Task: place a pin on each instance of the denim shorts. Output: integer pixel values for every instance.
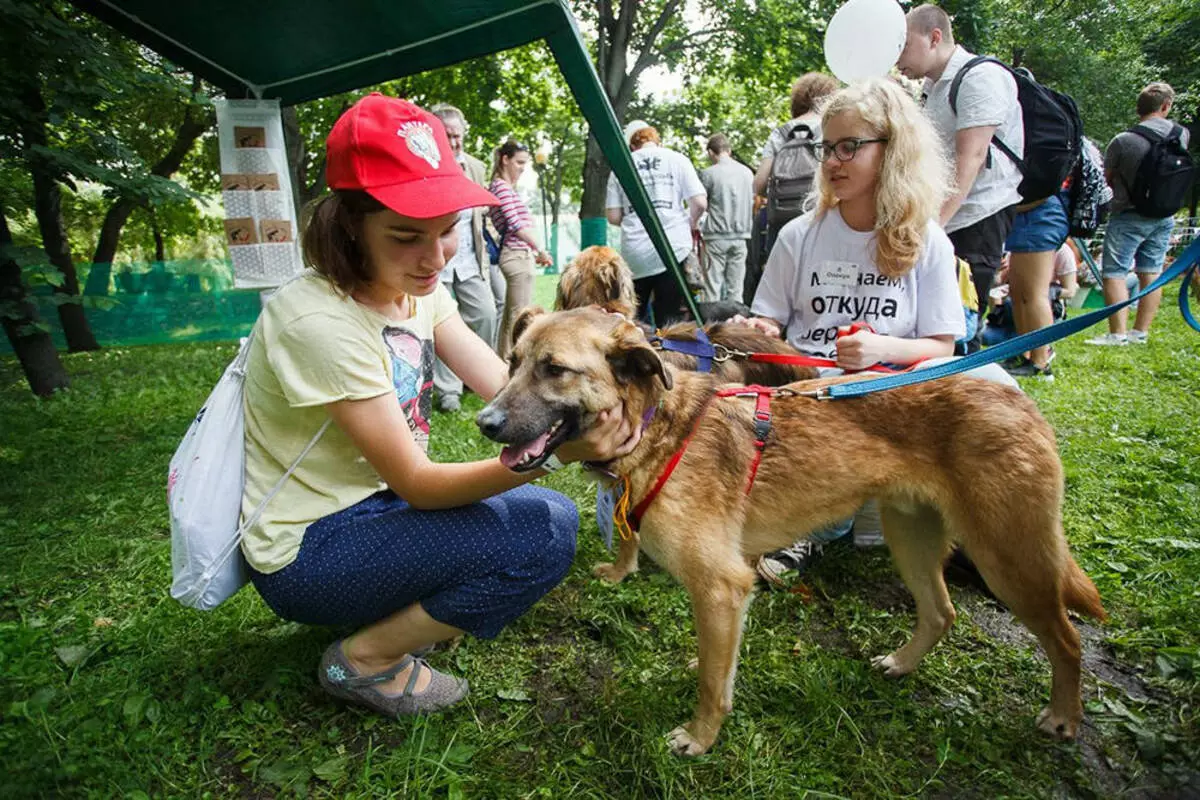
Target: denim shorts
(1041, 229)
(1132, 240)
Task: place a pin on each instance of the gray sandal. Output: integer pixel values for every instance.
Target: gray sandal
(337, 677)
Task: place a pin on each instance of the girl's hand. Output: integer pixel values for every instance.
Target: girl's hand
(611, 437)
(768, 326)
(543, 258)
(861, 350)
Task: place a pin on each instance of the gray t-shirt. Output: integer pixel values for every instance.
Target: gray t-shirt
(1124, 155)
(987, 96)
(730, 188)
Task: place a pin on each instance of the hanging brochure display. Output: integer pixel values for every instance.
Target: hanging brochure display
(260, 218)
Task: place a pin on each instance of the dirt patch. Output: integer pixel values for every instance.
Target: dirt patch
(567, 698)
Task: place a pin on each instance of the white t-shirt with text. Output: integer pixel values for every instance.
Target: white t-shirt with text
(669, 178)
(822, 274)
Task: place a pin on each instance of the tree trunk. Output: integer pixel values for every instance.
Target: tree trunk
(47, 203)
(193, 126)
(47, 206)
(160, 248)
(33, 346)
(615, 35)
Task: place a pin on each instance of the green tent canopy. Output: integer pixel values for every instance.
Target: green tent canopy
(300, 51)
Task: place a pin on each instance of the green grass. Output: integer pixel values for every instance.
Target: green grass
(109, 688)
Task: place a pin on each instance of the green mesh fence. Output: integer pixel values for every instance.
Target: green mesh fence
(188, 300)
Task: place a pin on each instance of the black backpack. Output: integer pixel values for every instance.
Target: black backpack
(792, 174)
(1052, 132)
(1164, 175)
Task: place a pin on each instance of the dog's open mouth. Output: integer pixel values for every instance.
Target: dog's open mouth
(531, 455)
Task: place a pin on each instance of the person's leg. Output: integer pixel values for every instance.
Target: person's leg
(1028, 278)
(1121, 242)
(477, 306)
(735, 271)
(499, 293)
(643, 288)
(410, 578)
(1149, 259)
(668, 298)
(446, 384)
(518, 266)
(713, 268)
(982, 245)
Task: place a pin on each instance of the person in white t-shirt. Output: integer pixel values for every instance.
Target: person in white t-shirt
(980, 210)
(671, 181)
(869, 251)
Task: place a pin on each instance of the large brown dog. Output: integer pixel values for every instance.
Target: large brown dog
(922, 450)
(599, 276)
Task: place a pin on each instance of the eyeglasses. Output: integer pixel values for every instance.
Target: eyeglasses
(843, 149)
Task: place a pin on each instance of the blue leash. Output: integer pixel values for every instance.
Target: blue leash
(1185, 265)
(702, 348)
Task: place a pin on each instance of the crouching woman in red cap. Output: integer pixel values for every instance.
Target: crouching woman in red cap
(367, 531)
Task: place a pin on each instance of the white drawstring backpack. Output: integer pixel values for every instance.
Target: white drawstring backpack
(204, 493)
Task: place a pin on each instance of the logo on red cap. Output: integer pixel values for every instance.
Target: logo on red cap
(419, 137)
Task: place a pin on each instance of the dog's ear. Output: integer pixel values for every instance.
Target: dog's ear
(524, 318)
(633, 358)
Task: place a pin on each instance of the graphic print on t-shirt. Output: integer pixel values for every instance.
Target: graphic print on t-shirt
(658, 180)
(842, 292)
(412, 375)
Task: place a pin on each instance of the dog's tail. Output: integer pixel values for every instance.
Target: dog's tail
(1079, 593)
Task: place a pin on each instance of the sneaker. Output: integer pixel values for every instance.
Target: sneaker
(1108, 340)
(449, 403)
(1028, 369)
(1137, 337)
(796, 558)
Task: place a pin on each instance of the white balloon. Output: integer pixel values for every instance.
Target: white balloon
(864, 39)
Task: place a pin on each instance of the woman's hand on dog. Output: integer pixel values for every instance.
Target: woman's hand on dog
(611, 437)
(768, 326)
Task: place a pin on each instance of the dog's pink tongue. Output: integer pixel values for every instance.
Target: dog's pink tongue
(512, 455)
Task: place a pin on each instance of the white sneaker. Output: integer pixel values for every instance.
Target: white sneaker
(1137, 337)
(1109, 340)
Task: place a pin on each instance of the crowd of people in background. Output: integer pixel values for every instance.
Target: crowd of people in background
(723, 223)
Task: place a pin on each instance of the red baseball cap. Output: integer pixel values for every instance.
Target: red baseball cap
(397, 152)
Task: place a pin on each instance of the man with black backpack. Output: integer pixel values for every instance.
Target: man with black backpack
(1150, 171)
(979, 215)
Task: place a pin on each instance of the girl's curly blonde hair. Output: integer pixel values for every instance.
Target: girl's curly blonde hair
(914, 176)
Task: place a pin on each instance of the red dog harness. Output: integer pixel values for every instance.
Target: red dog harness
(762, 430)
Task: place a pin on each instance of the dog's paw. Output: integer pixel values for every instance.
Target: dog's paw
(682, 743)
(890, 667)
(609, 572)
(1056, 725)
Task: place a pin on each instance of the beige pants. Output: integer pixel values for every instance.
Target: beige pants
(517, 266)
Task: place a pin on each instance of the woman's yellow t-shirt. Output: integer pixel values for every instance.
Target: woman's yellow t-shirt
(313, 346)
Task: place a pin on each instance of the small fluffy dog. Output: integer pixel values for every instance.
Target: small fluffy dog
(599, 276)
(924, 451)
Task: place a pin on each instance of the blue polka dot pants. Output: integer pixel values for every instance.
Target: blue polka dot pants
(477, 567)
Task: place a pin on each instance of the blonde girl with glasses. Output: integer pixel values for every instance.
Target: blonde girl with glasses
(869, 251)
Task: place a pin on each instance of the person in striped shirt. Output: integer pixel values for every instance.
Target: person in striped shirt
(519, 249)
